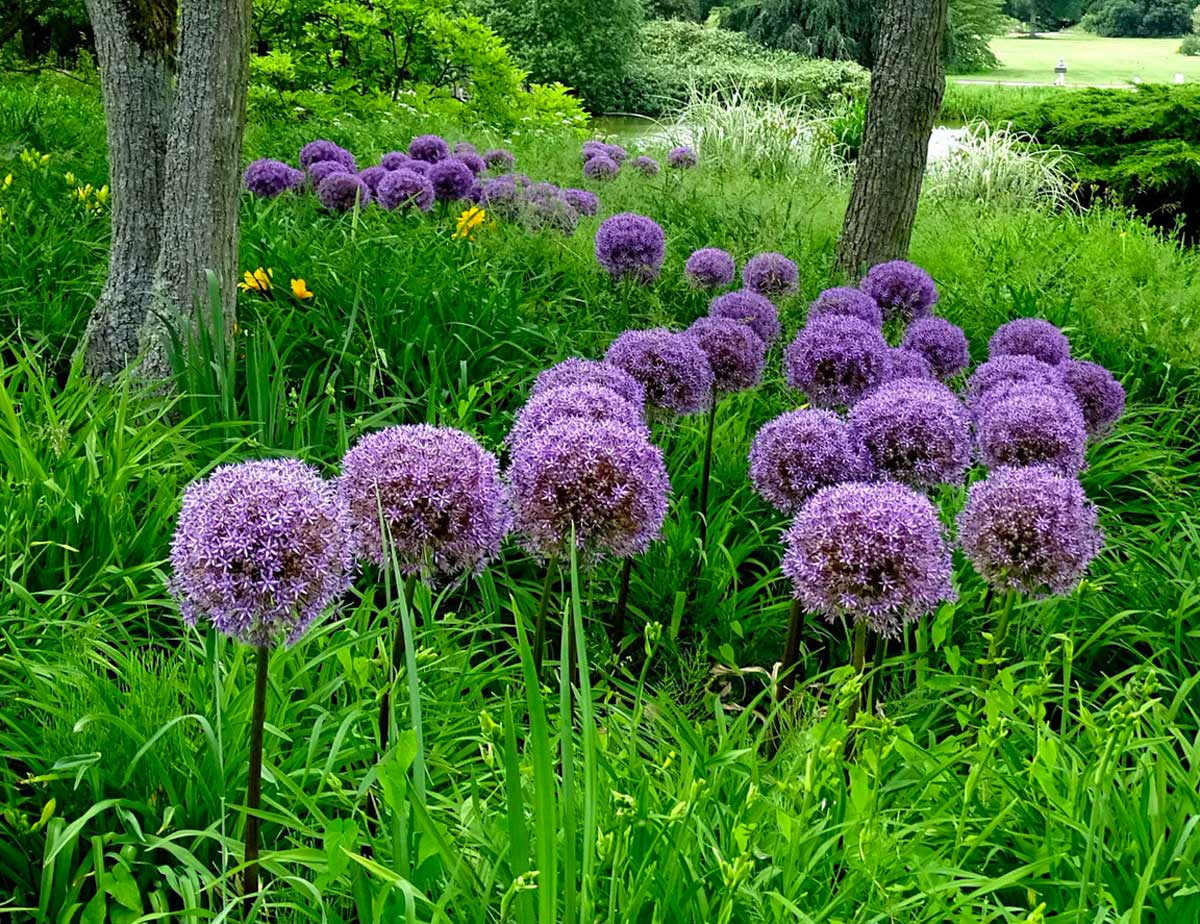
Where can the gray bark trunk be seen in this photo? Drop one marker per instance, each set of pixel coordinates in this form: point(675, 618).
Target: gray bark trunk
point(135, 45)
point(907, 85)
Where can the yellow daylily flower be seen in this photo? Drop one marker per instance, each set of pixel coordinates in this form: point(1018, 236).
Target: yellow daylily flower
point(8, 181)
point(258, 281)
point(300, 289)
point(468, 222)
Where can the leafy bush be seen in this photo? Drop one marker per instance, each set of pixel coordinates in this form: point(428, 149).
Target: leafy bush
point(1139, 18)
point(1190, 46)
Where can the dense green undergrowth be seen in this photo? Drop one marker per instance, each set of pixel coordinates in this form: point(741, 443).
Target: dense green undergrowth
point(674, 786)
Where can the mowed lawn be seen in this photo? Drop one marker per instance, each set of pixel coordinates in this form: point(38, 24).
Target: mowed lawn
point(1091, 60)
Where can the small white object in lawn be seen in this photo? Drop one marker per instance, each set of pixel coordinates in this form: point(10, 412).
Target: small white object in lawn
point(1179, 78)
point(1060, 73)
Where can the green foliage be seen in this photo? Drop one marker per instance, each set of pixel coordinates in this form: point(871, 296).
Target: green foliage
point(1139, 18)
point(1190, 46)
point(972, 24)
point(1045, 15)
point(837, 29)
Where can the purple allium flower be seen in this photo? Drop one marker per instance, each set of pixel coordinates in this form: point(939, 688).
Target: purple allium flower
point(394, 160)
point(1025, 424)
point(576, 371)
point(418, 166)
point(737, 354)
point(616, 152)
point(849, 301)
point(341, 192)
point(1009, 370)
point(835, 360)
point(754, 310)
point(914, 431)
point(682, 158)
point(429, 148)
point(671, 366)
point(575, 402)
point(267, 178)
point(317, 151)
point(323, 169)
point(905, 364)
point(710, 268)
point(771, 274)
point(646, 166)
point(592, 149)
point(601, 167)
point(1030, 337)
point(873, 552)
point(901, 289)
point(404, 188)
point(801, 451)
point(1030, 529)
point(545, 206)
point(1101, 397)
point(465, 147)
point(584, 201)
point(503, 197)
point(261, 550)
point(438, 492)
point(598, 478)
point(372, 176)
point(475, 193)
point(499, 159)
point(631, 246)
point(473, 162)
point(451, 179)
point(942, 343)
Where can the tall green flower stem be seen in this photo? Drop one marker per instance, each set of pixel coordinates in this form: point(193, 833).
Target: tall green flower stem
point(622, 605)
point(791, 652)
point(254, 785)
point(385, 705)
point(539, 624)
point(997, 642)
point(706, 470)
point(858, 660)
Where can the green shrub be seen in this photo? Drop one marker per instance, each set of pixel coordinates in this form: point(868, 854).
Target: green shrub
point(1139, 18)
point(1190, 46)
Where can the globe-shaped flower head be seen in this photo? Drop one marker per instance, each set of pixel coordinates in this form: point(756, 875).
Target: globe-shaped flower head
point(261, 550)
point(905, 364)
point(616, 152)
point(267, 178)
point(914, 431)
point(320, 150)
point(671, 366)
point(601, 167)
point(592, 149)
point(646, 166)
point(901, 289)
point(1101, 397)
point(1026, 424)
point(429, 148)
point(436, 490)
point(323, 169)
point(835, 360)
point(394, 160)
point(598, 478)
point(631, 246)
point(1029, 529)
point(404, 189)
point(1030, 337)
point(575, 402)
point(499, 159)
point(451, 180)
point(372, 176)
point(998, 373)
point(545, 206)
point(464, 147)
point(503, 197)
point(710, 268)
point(755, 311)
point(872, 552)
point(340, 192)
point(472, 162)
point(849, 301)
point(800, 452)
point(737, 354)
point(942, 343)
point(583, 201)
point(576, 371)
point(682, 158)
point(771, 274)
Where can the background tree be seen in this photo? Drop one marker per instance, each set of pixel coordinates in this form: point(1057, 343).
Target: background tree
point(1139, 18)
point(907, 85)
point(1045, 15)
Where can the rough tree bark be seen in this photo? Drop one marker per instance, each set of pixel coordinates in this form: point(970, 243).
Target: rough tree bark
point(907, 84)
point(135, 48)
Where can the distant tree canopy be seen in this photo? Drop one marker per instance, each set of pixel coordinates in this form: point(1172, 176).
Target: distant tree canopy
point(1045, 15)
point(1139, 18)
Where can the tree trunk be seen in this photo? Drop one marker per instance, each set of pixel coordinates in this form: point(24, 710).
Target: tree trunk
point(204, 155)
point(135, 48)
point(907, 85)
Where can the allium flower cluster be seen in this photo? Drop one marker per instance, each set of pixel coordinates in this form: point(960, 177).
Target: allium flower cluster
point(682, 158)
point(1101, 397)
point(341, 192)
point(576, 371)
point(472, 162)
point(600, 479)
point(835, 360)
point(801, 451)
point(583, 201)
point(436, 490)
point(942, 343)
point(267, 178)
point(710, 268)
point(464, 147)
point(545, 206)
point(405, 188)
point(503, 197)
point(905, 364)
point(1030, 529)
point(592, 149)
point(499, 159)
point(755, 311)
point(575, 402)
point(451, 179)
point(323, 169)
point(847, 300)
point(737, 354)
point(601, 167)
point(901, 289)
point(394, 160)
point(616, 152)
point(1028, 424)
point(1002, 371)
point(646, 166)
point(322, 150)
point(261, 550)
point(1030, 337)
point(771, 274)
point(429, 148)
point(671, 366)
point(372, 176)
point(631, 246)
point(914, 431)
point(873, 552)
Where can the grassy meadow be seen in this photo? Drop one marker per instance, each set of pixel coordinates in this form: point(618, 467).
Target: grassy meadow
point(675, 785)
